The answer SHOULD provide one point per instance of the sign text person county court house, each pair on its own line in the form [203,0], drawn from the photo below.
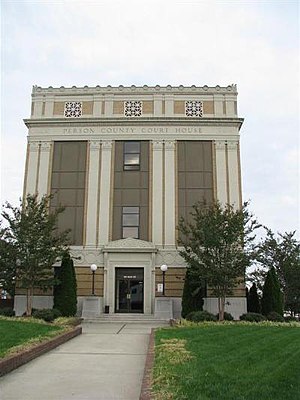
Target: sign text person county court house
[127,163]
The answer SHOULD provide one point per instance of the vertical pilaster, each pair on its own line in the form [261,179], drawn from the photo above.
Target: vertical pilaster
[169,105]
[170,193]
[38,106]
[49,107]
[221,172]
[157,192]
[97,106]
[32,168]
[158,105]
[93,193]
[44,164]
[105,188]
[233,173]
[108,105]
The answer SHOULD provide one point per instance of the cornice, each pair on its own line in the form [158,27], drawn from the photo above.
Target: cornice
[142,121]
[111,90]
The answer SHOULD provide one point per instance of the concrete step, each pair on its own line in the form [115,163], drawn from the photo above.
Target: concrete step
[132,318]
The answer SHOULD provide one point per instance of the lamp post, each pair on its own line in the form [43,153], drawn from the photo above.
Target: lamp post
[164,269]
[93,269]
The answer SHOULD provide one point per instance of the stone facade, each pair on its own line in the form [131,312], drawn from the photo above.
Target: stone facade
[184,147]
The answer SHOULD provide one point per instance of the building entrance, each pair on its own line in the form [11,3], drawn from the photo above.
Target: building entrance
[129,290]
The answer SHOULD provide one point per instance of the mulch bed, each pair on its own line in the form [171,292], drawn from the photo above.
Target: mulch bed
[14,361]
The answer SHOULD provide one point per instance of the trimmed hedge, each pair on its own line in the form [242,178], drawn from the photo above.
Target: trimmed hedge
[47,314]
[274,316]
[200,316]
[252,317]
[227,316]
[7,312]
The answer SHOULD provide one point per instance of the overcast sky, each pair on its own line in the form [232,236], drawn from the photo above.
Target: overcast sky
[254,44]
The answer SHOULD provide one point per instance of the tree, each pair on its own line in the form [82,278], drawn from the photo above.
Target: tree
[193,293]
[7,266]
[283,253]
[32,232]
[253,300]
[217,246]
[272,296]
[65,293]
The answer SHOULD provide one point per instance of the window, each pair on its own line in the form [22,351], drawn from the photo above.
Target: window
[132,152]
[130,222]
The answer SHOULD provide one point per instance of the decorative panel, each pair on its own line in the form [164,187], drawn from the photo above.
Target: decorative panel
[133,108]
[194,108]
[87,107]
[148,107]
[208,107]
[73,109]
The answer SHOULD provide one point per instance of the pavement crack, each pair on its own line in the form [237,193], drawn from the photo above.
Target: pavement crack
[122,327]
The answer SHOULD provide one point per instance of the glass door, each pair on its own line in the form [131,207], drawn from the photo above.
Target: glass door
[129,290]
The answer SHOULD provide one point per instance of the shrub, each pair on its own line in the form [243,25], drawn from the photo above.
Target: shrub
[289,318]
[199,316]
[252,317]
[227,316]
[65,293]
[47,314]
[7,312]
[193,293]
[274,316]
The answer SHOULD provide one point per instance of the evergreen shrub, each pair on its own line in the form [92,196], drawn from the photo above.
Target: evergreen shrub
[192,296]
[200,316]
[65,293]
[7,312]
[227,316]
[47,314]
[274,316]
[289,318]
[252,317]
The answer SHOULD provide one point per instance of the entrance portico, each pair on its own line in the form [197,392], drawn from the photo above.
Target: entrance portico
[129,276]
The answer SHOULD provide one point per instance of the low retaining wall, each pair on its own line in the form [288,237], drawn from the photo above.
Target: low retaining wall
[16,360]
[146,384]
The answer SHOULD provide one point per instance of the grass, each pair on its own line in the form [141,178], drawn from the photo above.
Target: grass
[227,362]
[16,335]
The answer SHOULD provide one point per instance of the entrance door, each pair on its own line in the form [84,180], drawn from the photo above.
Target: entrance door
[129,290]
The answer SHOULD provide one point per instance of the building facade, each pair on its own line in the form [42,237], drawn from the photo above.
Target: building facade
[127,163]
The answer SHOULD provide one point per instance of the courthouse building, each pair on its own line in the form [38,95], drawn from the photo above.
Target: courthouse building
[127,163]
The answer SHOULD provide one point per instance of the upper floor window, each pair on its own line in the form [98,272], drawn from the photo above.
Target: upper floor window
[194,108]
[133,108]
[132,156]
[73,109]
[130,222]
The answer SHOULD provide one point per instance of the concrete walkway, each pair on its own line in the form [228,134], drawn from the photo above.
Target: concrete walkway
[106,362]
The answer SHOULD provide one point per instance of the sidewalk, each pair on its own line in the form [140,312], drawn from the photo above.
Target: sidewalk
[106,362]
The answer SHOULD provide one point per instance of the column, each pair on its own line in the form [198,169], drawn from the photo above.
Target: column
[32,168]
[221,172]
[44,166]
[157,192]
[170,193]
[105,190]
[233,173]
[92,193]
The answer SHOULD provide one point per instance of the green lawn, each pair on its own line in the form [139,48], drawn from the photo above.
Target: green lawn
[227,362]
[15,333]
